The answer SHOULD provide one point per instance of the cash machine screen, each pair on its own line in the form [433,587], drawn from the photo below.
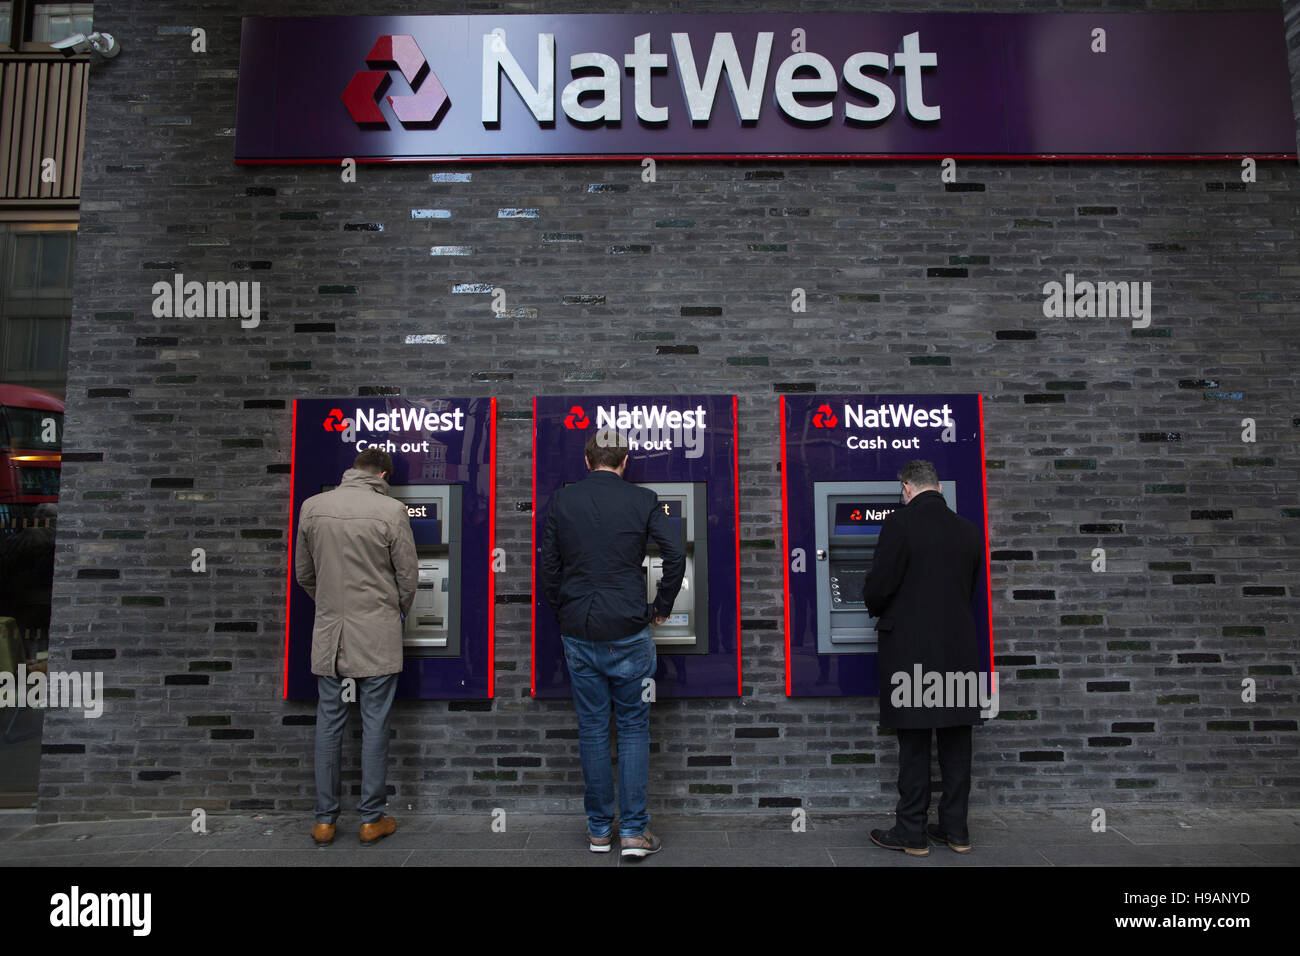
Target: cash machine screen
[672,507]
[426,524]
[862,517]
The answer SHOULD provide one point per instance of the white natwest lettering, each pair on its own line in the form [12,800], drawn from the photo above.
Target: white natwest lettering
[894,416]
[598,97]
[648,416]
[409,420]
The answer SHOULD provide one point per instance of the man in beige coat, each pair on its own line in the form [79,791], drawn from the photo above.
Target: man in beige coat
[356,559]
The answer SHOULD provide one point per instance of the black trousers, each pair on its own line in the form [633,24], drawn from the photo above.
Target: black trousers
[914,782]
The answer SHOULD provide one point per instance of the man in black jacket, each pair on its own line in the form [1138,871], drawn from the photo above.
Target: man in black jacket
[593,546]
[922,579]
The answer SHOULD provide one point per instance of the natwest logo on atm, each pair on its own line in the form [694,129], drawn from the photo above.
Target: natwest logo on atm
[891,416]
[410,420]
[648,416]
[824,417]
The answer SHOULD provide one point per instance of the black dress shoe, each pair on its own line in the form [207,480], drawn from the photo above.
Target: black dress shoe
[890,840]
[938,836]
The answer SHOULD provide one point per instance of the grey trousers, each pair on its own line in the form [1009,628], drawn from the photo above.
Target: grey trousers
[375,697]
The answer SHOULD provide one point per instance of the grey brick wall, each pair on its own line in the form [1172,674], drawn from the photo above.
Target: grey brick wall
[1117,688]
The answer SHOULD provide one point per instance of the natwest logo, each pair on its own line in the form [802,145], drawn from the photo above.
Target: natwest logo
[866,73]
[824,417]
[410,420]
[422,110]
[576,418]
[648,416]
[897,416]
[335,422]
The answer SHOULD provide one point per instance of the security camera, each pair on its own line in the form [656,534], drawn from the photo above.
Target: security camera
[79,43]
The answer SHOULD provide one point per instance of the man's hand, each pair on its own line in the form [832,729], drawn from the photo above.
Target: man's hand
[659,619]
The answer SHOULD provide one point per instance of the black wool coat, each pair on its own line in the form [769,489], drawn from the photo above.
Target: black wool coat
[922,579]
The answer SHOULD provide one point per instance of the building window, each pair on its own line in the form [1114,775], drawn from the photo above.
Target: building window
[52,22]
[35,304]
[6,24]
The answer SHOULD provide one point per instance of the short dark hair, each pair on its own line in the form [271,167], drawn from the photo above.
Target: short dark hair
[606,448]
[919,474]
[374,460]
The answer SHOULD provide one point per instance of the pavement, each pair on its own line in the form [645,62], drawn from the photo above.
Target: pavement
[1164,836]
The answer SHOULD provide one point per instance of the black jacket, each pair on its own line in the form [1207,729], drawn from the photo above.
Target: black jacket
[921,583]
[592,547]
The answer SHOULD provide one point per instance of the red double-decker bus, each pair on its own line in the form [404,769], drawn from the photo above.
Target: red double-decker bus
[31,446]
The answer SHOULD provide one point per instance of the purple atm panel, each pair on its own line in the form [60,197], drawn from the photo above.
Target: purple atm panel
[840,458]
[685,448]
[444,470]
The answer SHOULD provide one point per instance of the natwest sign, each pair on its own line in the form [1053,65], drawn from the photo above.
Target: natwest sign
[623,417]
[746,77]
[410,419]
[571,86]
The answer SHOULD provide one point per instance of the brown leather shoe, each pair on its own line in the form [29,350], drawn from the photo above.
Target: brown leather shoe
[323,834]
[372,833]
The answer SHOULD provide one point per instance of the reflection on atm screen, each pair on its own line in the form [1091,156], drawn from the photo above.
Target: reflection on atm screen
[672,507]
[427,532]
[861,517]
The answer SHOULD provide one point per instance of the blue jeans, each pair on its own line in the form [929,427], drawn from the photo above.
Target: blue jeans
[375,696]
[604,673]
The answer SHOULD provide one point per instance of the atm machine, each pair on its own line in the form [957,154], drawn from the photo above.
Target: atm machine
[432,627]
[840,460]
[684,448]
[444,473]
[849,516]
[686,629]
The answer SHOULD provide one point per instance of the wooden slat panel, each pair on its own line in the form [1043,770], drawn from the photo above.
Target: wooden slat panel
[6,117]
[9,129]
[42,116]
[50,134]
[66,169]
[25,133]
[39,138]
[77,122]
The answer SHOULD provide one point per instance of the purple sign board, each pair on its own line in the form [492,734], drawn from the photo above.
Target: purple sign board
[824,86]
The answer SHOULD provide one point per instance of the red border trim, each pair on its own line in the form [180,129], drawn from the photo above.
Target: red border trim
[785,551]
[988,573]
[532,620]
[735,477]
[288,587]
[741,157]
[492,546]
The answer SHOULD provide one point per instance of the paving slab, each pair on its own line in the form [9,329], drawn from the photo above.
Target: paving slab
[707,856]
[1188,836]
[316,856]
[1203,854]
[1261,833]
[1276,854]
[581,857]
[939,856]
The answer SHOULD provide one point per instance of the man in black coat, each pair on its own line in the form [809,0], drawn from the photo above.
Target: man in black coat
[920,587]
[593,545]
